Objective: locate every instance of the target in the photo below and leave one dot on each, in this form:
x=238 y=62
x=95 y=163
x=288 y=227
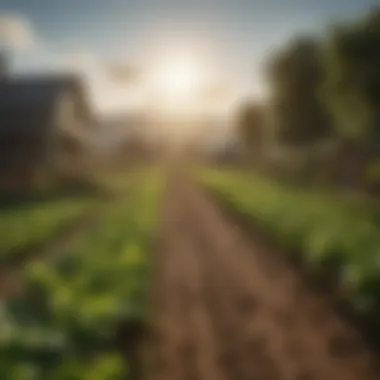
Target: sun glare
x=180 y=79
x=177 y=81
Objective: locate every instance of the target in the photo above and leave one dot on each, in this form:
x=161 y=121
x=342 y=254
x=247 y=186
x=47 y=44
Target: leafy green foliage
x=295 y=74
x=73 y=303
x=324 y=228
x=352 y=77
x=25 y=227
x=327 y=89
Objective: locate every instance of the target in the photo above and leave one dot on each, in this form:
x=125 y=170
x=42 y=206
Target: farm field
x=190 y=190
x=168 y=284
x=327 y=233
x=25 y=228
x=29 y=227
x=227 y=306
x=64 y=322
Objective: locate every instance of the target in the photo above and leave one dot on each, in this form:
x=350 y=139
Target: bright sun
x=180 y=78
x=177 y=82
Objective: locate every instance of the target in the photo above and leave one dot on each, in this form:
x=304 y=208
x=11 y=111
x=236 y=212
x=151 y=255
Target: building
x=42 y=119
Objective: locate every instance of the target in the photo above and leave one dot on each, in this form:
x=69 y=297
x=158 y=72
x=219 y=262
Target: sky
x=236 y=36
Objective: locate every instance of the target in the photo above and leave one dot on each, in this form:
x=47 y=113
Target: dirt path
x=226 y=308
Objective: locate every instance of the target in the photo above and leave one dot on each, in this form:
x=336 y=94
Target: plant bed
x=26 y=230
x=76 y=307
x=336 y=248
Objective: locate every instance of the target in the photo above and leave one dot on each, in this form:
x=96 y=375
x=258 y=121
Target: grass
x=63 y=326
x=325 y=230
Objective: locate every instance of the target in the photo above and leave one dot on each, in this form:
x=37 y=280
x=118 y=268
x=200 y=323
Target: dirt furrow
x=184 y=341
x=229 y=308
x=304 y=338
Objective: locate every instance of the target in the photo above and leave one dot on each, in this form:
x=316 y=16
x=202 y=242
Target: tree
x=295 y=75
x=351 y=88
x=251 y=128
x=250 y=124
x=351 y=92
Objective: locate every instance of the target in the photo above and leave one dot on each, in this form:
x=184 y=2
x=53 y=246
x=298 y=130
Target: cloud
x=16 y=33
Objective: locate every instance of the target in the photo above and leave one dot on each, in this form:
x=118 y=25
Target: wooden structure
x=41 y=121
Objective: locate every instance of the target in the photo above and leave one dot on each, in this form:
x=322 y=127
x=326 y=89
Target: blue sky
x=238 y=33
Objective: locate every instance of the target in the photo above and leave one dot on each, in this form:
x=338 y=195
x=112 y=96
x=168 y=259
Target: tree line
x=321 y=120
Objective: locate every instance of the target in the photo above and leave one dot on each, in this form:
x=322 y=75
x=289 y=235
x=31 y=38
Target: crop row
x=62 y=327
x=26 y=227
x=325 y=231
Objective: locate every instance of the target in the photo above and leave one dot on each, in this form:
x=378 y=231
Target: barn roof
x=23 y=100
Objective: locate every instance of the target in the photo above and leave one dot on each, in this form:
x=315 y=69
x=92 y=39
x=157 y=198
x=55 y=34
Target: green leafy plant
x=27 y=227
x=63 y=325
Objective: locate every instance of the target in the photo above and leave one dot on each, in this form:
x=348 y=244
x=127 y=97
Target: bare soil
x=225 y=307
